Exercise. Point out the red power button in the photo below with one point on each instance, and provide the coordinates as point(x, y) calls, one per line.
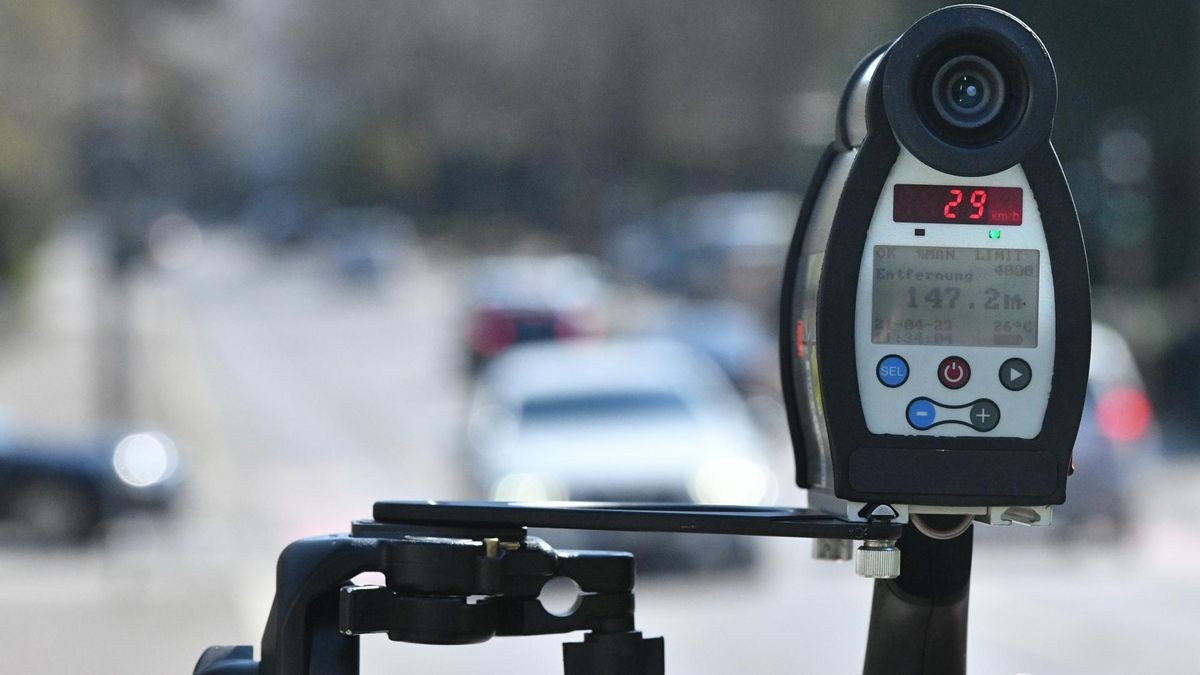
point(954, 372)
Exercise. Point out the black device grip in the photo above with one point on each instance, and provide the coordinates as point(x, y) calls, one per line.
point(919, 619)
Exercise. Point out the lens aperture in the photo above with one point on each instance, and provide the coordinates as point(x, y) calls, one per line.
point(968, 92)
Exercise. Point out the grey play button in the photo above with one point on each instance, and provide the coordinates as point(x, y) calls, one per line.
point(1015, 374)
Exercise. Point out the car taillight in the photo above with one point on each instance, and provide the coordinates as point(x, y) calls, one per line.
point(491, 332)
point(578, 324)
point(1123, 414)
point(564, 328)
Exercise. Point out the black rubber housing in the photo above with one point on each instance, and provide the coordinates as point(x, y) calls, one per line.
point(789, 309)
point(841, 139)
point(960, 471)
point(1027, 114)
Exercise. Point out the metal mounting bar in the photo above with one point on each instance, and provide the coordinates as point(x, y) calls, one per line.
point(631, 517)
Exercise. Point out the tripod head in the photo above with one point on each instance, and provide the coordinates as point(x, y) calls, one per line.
point(464, 572)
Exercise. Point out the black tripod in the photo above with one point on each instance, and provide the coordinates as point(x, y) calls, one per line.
point(461, 573)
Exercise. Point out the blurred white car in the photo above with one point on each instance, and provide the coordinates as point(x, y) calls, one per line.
point(628, 421)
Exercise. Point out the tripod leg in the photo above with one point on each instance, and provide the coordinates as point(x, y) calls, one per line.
point(301, 635)
point(614, 654)
point(919, 619)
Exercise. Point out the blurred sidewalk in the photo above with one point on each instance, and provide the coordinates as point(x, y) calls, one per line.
point(46, 358)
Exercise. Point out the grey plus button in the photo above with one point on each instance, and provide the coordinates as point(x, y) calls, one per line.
point(984, 415)
point(1015, 374)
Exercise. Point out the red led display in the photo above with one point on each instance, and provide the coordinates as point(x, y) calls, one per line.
point(968, 204)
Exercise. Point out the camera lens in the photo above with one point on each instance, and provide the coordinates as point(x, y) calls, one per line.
point(968, 92)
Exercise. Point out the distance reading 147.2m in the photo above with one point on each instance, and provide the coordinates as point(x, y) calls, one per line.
point(933, 295)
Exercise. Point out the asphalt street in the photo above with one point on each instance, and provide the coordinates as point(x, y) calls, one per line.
point(300, 399)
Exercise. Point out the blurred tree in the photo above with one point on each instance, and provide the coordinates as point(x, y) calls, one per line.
point(1132, 70)
point(40, 45)
point(556, 111)
point(567, 114)
point(140, 152)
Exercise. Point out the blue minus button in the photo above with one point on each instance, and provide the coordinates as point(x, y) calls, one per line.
point(921, 413)
point(892, 371)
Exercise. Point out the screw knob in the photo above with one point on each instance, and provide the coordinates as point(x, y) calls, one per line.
point(878, 559)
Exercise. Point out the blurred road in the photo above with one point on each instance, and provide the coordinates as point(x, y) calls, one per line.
point(300, 401)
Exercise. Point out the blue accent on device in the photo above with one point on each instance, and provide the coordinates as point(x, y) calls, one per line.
point(921, 414)
point(892, 371)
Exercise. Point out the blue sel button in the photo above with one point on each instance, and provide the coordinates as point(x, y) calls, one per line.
point(892, 371)
point(921, 413)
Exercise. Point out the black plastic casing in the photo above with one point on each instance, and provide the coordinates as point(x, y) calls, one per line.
point(930, 470)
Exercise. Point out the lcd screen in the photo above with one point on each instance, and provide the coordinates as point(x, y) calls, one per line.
point(933, 295)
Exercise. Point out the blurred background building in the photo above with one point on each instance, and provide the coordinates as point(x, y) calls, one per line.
point(262, 263)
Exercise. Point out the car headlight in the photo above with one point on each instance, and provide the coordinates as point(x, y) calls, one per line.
point(145, 459)
point(733, 480)
point(529, 487)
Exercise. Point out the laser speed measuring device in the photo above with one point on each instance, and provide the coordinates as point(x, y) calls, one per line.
point(936, 321)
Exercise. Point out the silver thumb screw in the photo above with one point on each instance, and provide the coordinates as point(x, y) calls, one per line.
point(878, 559)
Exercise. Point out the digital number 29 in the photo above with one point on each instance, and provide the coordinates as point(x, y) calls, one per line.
point(978, 199)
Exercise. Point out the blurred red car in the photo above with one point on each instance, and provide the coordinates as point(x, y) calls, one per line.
point(1117, 437)
point(521, 299)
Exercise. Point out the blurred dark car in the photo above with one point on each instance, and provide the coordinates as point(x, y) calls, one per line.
point(60, 492)
point(283, 216)
point(367, 242)
point(635, 420)
point(1117, 438)
point(519, 299)
point(725, 246)
point(732, 336)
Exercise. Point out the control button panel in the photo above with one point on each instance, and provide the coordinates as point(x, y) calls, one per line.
point(892, 371)
point(924, 413)
point(981, 413)
point(954, 372)
point(1015, 374)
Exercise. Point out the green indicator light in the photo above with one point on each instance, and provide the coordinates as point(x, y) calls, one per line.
point(993, 234)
